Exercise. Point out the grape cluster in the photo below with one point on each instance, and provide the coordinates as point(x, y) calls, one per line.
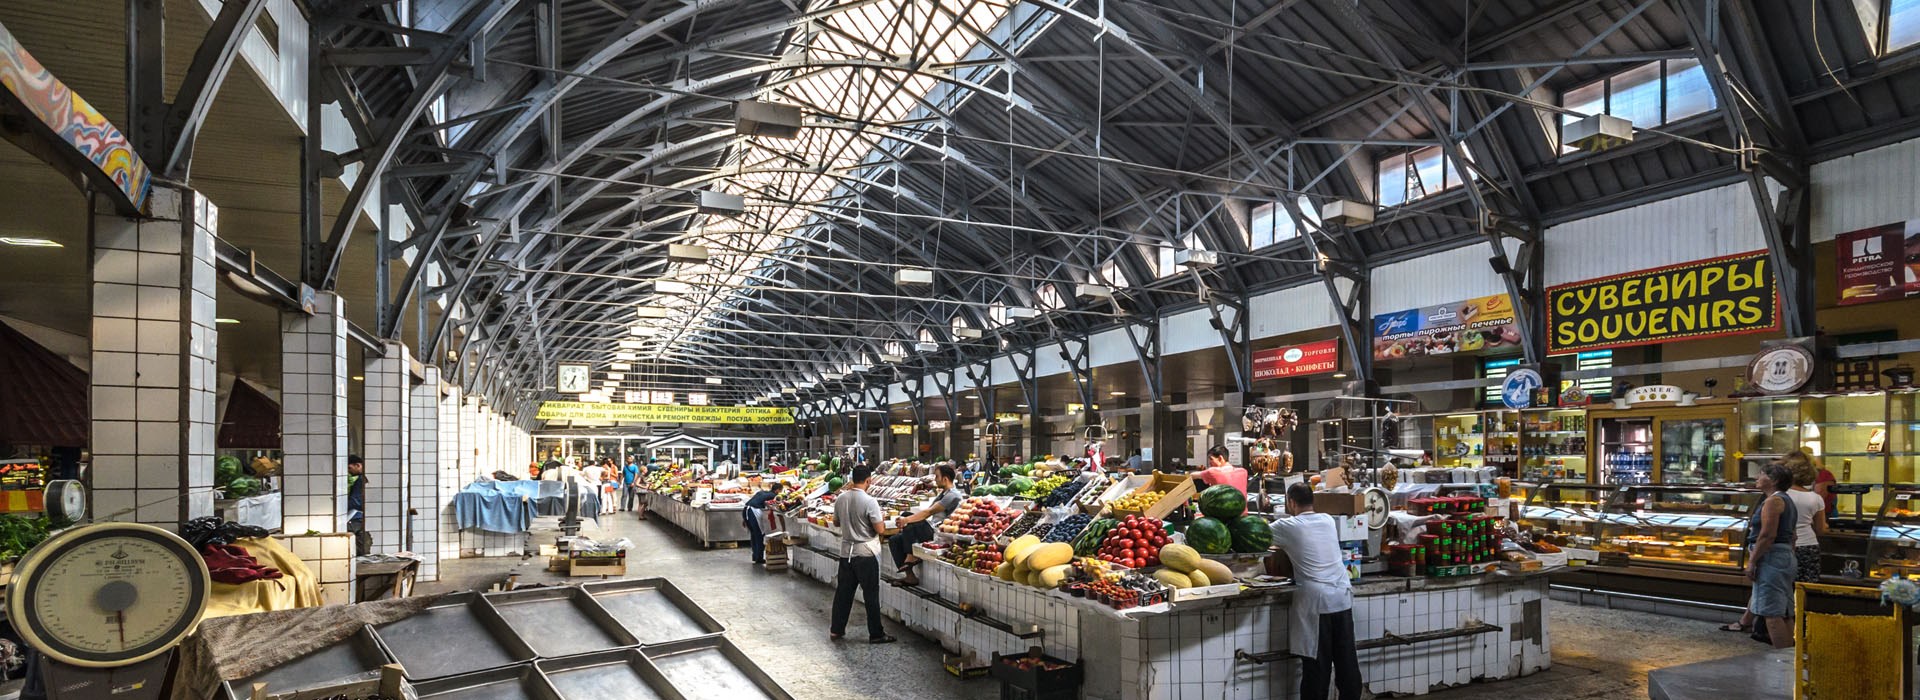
point(1066, 530)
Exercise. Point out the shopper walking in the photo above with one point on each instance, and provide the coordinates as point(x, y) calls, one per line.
point(754, 512)
point(357, 506)
point(1811, 510)
point(1320, 629)
point(860, 522)
point(630, 483)
point(1770, 563)
point(918, 527)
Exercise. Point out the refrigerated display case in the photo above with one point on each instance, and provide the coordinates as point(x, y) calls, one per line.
point(1678, 445)
point(1693, 528)
point(1553, 446)
point(1769, 426)
point(1849, 433)
point(1477, 439)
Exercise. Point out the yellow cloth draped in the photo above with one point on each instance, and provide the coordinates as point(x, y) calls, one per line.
point(297, 586)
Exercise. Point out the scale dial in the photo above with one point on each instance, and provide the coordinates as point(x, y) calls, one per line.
point(109, 594)
point(1378, 504)
point(66, 500)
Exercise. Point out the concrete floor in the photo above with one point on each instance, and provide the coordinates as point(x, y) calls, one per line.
point(780, 620)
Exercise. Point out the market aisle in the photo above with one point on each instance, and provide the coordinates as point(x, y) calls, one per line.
point(779, 619)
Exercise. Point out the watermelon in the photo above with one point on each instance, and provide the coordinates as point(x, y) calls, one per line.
point(1209, 536)
point(1251, 534)
point(1223, 502)
point(835, 483)
point(226, 469)
point(1020, 484)
point(1006, 471)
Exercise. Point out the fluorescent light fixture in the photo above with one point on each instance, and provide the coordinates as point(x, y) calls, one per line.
point(912, 275)
point(619, 367)
point(1018, 313)
point(632, 344)
point(965, 333)
point(926, 347)
point(644, 330)
point(1116, 393)
point(359, 378)
point(615, 376)
point(650, 311)
point(891, 357)
point(713, 202)
point(789, 390)
point(224, 321)
point(628, 356)
point(672, 287)
point(1339, 375)
point(769, 119)
point(1598, 133)
point(859, 367)
point(714, 380)
point(1095, 291)
point(831, 376)
point(25, 242)
point(1196, 258)
point(1346, 212)
point(1022, 406)
point(691, 254)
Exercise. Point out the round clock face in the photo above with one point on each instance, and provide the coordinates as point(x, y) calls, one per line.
point(108, 595)
point(1780, 369)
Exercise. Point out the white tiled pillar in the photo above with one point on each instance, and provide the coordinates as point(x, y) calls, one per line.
point(153, 346)
point(423, 479)
point(389, 403)
point(314, 424)
point(450, 483)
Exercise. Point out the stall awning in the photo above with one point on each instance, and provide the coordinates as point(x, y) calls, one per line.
point(43, 397)
point(252, 420)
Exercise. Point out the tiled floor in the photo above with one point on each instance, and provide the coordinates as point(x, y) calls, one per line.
point(780, 620)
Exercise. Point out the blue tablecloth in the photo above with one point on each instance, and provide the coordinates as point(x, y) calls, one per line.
point(509, 506)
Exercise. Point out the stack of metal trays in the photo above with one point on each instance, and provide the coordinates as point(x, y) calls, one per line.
point(560, 621)
point(522, 682)
point(712, 668)
point(460, 634)
point(620, 673)
point(653, 610)
point(358, 657)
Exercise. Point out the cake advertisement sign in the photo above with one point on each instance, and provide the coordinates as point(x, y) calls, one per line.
point(1474, 325)
point(1878, 264)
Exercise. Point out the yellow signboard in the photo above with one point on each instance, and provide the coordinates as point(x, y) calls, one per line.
point(902, 429)
point(663, 413)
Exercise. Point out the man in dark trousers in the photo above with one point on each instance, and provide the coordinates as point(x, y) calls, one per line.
point(1320, 629)
point(357, 505)
point(860, 521)
point(755, 515)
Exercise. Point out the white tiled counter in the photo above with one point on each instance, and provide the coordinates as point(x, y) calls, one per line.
point(1199, 648)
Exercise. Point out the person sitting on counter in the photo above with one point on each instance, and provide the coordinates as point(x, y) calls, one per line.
point(1320, 630)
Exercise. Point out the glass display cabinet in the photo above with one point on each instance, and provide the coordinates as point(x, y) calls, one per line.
point(1553, 446)
point(1894, 549)
point(1688, 527)
point(1477, 439)
point(1335, 437)
point(1769, 426)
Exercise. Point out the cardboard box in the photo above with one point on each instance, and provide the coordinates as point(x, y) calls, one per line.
point(1179, 488)
point(1340, 503)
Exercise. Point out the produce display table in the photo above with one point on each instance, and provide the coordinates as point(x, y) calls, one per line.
point(1413, 633)
point(708, 524)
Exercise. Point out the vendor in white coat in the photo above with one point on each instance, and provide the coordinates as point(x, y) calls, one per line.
point(1320, 630)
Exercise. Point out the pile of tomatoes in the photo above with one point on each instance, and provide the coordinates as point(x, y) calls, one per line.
point(1134, 543)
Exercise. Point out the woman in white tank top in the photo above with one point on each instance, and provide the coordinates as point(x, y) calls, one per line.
point(1810, 522)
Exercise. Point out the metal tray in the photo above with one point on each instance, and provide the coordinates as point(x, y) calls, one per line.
point(460, 634)
point(712, 668)
point(522, 682)
point(619, 673)
point(654, 610)
point(560, 621)
point(354, 658)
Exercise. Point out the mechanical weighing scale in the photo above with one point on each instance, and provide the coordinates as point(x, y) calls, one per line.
point(105, 605)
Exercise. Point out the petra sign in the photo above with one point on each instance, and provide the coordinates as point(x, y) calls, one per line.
point(1878, 264)
point(1702, 299)
point(1297, 360)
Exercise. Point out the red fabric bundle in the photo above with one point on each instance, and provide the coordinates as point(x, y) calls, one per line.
point(231, 564)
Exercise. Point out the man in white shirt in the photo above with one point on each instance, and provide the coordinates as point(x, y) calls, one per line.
point(1320, 629)
point(860, 521)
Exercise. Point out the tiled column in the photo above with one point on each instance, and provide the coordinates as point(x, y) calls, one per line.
point(449, 469)
point(389, 401)
point(423, 479)
point(153, 382)
point(314, 425)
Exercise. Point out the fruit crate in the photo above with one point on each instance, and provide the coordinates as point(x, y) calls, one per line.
point(1179, 488)
point(1063, 681)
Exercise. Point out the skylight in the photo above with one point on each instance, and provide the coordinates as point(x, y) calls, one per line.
point(778, 177)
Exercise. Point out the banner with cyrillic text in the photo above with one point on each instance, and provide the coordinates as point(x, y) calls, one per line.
point(1732, 295)
point(658, 413)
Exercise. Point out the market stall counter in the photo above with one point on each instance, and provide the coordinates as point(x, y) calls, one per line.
point(1415, 633)
point(710, 523)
